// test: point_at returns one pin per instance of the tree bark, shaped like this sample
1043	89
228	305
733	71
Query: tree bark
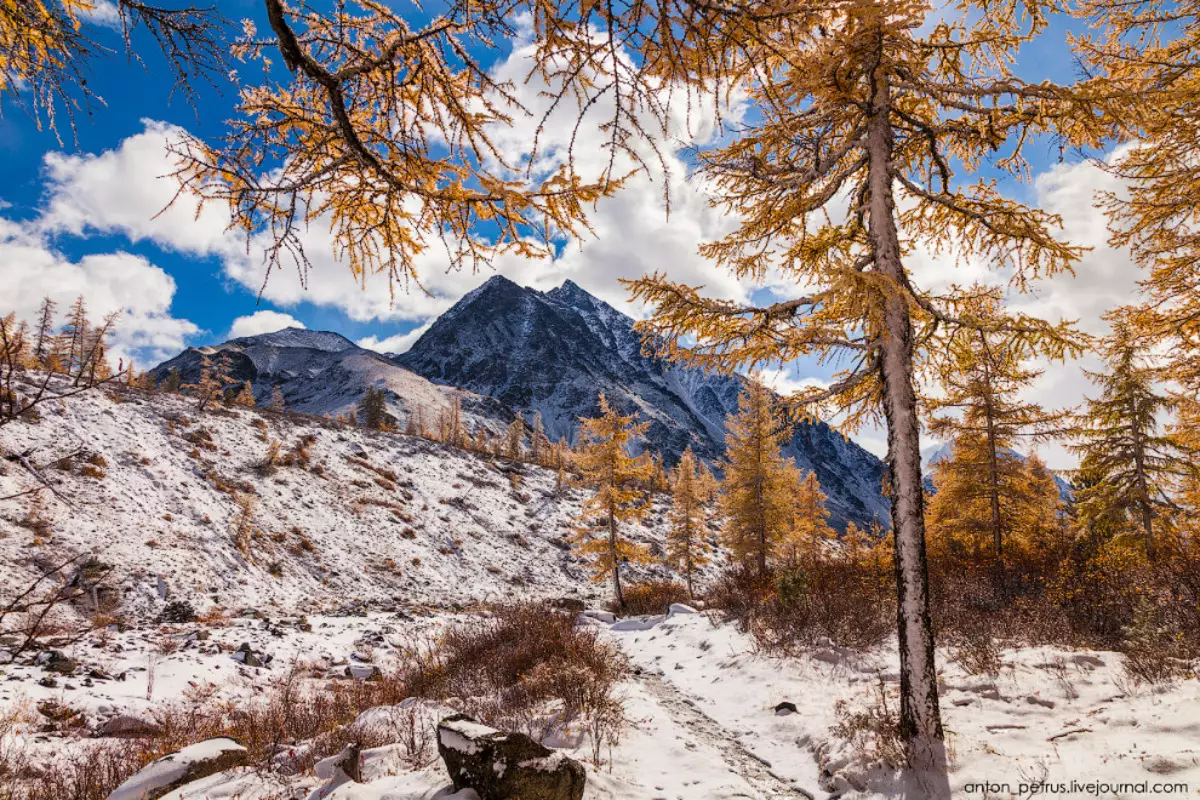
612	553
920	717
1139	462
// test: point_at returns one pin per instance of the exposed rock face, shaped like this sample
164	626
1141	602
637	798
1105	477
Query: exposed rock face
553	352
506	766
179	769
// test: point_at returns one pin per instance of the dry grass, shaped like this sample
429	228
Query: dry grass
652	597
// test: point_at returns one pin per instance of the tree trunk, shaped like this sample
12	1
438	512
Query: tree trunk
612	553
1143	500
920	717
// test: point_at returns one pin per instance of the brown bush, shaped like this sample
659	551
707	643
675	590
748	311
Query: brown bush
846	602
513	667
653	597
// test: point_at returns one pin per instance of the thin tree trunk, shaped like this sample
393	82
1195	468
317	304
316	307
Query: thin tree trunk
612	552
920	717
1139	462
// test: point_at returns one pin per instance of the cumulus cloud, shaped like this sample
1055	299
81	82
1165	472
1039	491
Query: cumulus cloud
108	282
264	321
400	343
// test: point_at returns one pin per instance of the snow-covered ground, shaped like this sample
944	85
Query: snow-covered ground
421	550
374	518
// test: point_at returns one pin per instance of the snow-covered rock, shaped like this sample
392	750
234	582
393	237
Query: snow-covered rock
177	769
502	766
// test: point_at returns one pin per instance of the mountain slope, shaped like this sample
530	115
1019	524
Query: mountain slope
554	352
320	372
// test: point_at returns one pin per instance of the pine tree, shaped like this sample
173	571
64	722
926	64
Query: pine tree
173	382
539	444
605	463
759	490
512	442
44	337
983	380
811	536
245	396
372	408
1130	465
687	547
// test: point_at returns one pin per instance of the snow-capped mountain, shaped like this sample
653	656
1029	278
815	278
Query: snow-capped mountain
320	372
554	352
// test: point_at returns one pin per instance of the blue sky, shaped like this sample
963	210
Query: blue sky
80	214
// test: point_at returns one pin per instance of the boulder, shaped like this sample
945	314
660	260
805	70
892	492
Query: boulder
505	766
785	708
178	769
125	725
680	608
58	662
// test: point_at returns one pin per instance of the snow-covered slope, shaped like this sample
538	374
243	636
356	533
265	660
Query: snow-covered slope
373	517
320	372
555	351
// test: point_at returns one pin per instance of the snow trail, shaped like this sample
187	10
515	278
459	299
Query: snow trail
754	769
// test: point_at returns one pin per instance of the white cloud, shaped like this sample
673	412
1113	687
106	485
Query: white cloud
400	343
264	321
108	282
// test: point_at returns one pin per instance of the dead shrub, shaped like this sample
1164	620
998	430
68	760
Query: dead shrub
652	597
515	667
874	729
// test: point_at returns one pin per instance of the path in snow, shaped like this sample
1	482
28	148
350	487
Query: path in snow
741	761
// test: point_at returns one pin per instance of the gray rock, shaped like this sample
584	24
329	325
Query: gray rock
179	769
506	766
126	725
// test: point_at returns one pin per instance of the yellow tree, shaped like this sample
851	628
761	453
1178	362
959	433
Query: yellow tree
865	114
245	396
687	547
811	535
981	411
604	462
759	490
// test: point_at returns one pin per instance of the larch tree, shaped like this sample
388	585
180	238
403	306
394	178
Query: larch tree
687	545
244	396
277	402
44	336
981	411
870	119
604	462
47	50
759	490
513	439
811	535
1131	466
210	384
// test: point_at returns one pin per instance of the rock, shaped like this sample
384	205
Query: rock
248	656
505	766
178	611
49	682
680	608
177	769
362	672
606	617
127	725
346	764
57	662
785	708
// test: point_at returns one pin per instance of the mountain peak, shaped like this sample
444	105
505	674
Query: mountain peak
327	341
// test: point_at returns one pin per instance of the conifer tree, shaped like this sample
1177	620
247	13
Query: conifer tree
687	548
372	408
759	490
214	377
539	444
76	332
1130	465
811	535
512	441
173	382
277	402
983	414
245	396
605	463
44	337
883	105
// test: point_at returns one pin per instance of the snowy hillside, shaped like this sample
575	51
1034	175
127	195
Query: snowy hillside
182	507
553	352
320	372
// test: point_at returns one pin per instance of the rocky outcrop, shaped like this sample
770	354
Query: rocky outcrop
179	769
505	766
